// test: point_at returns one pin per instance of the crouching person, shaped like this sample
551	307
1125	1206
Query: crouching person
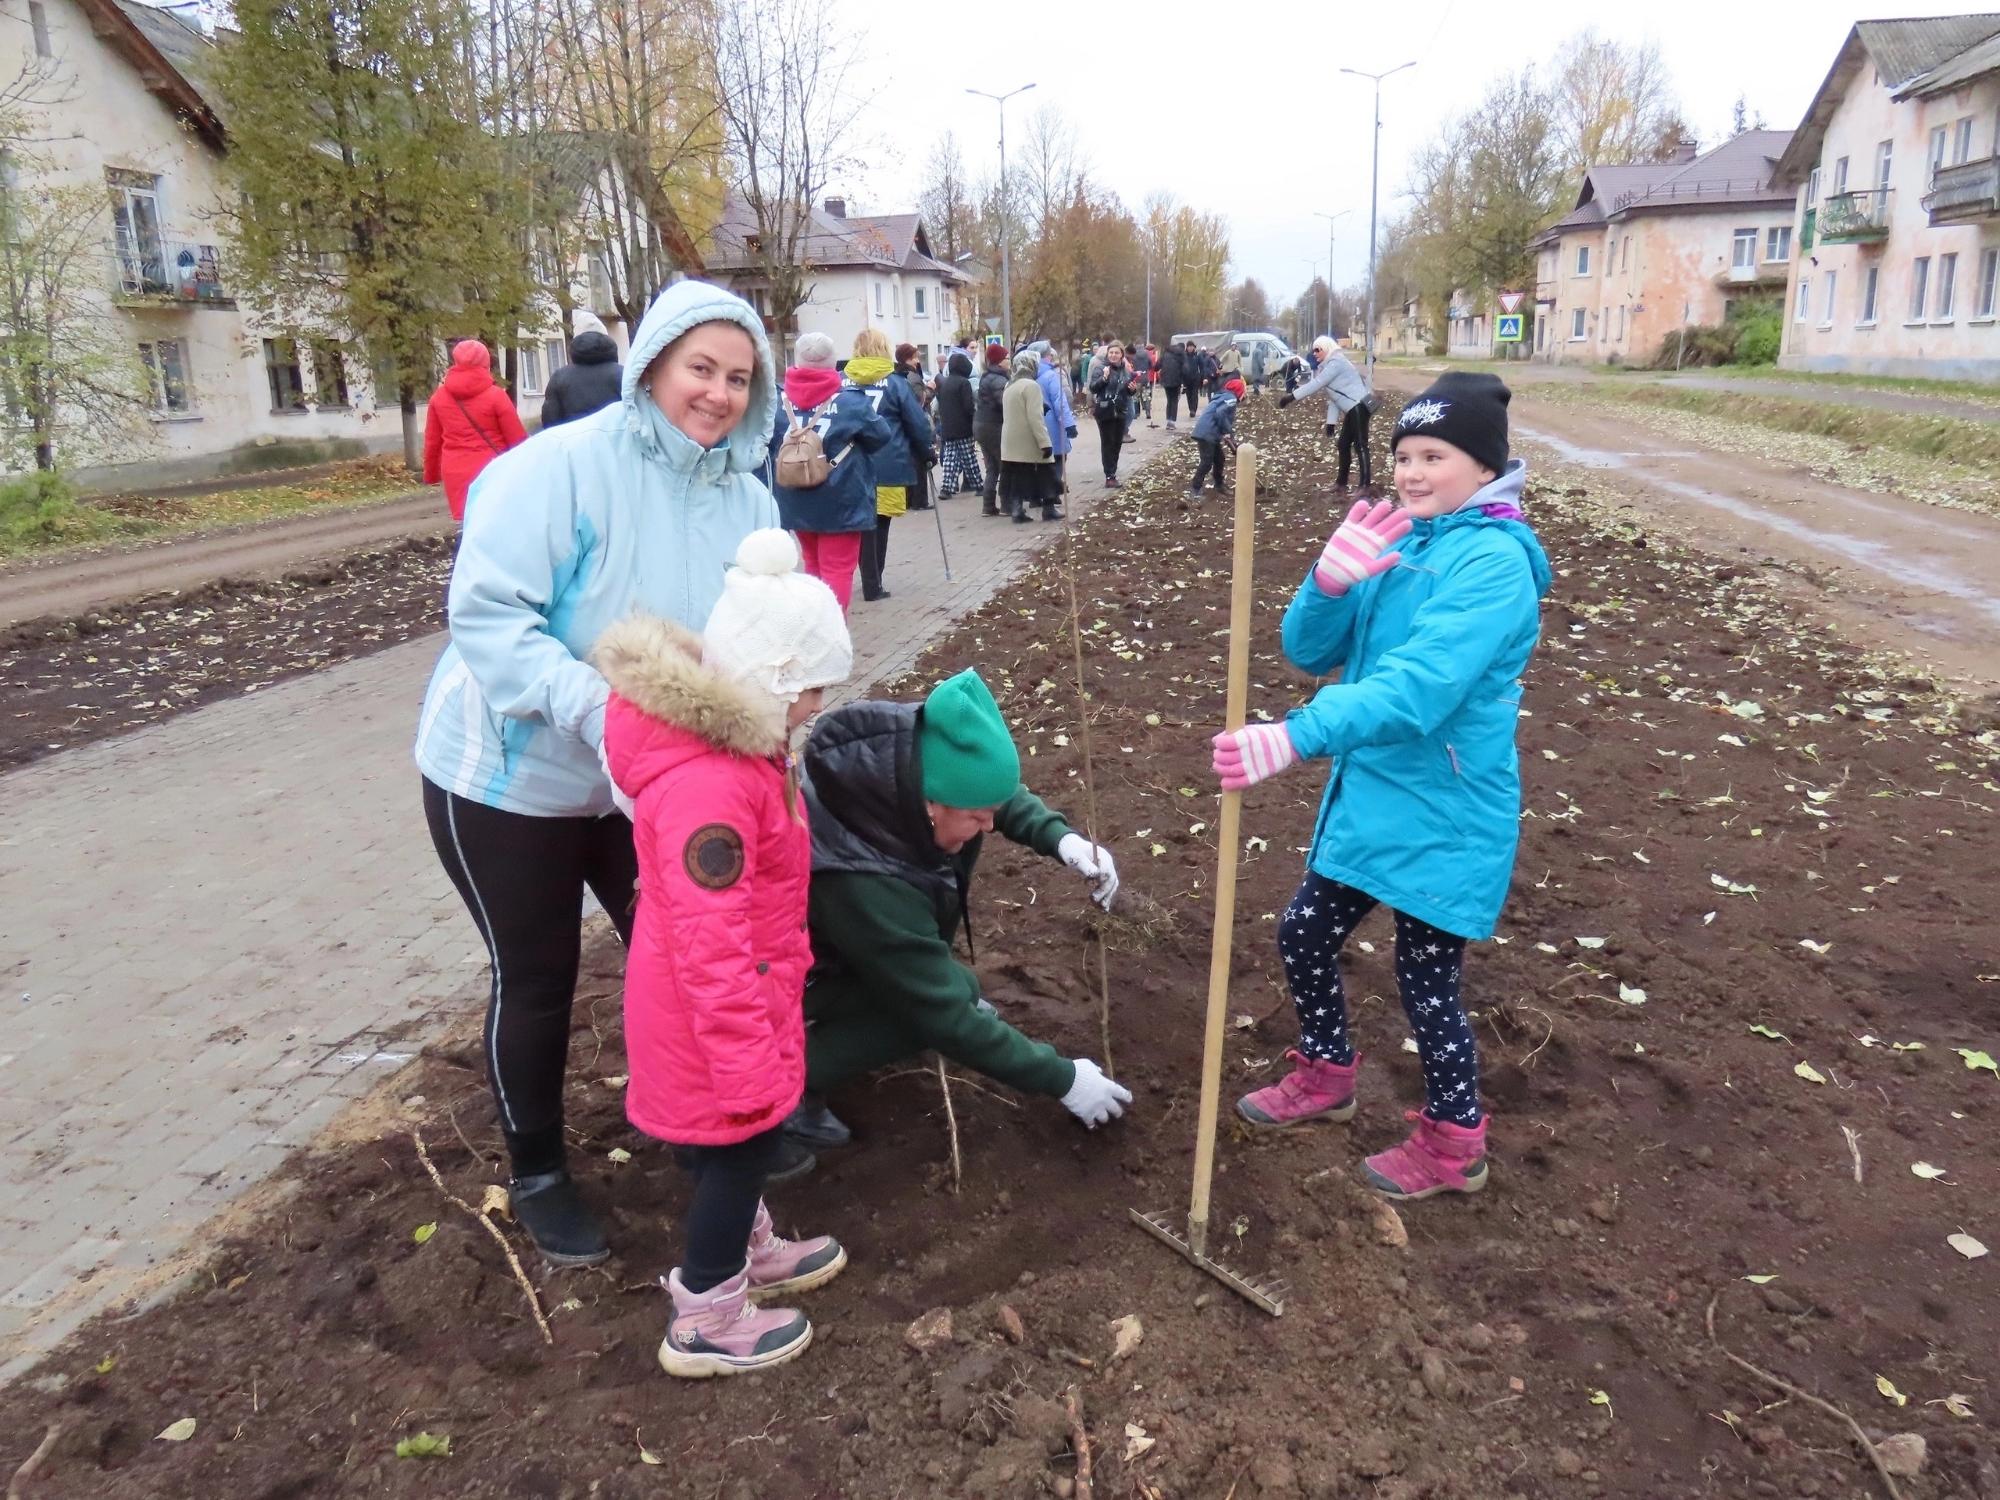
696	738
901	796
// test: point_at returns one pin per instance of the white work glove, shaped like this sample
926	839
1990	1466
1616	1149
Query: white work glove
618	797
1093	863
1093	1098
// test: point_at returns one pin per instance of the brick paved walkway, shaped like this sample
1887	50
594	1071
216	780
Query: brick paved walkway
222	930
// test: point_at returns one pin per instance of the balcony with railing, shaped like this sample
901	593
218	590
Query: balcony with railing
1854	218
1965	194
168	273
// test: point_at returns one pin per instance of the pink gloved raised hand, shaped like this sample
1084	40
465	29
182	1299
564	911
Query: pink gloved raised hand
1244	757
1357	550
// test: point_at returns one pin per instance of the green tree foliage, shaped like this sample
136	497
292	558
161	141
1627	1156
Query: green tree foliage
372	201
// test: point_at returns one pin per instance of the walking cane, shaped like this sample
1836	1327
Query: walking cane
1268	1294
937	509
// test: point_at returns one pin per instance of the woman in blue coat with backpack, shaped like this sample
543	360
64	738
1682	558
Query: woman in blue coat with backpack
834	519
868	372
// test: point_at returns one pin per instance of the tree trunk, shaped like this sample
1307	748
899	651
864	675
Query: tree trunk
413	439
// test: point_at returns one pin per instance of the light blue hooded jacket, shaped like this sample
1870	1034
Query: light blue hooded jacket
567	534
1056	407
1423	808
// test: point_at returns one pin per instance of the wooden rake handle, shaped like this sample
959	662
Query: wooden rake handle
1227	846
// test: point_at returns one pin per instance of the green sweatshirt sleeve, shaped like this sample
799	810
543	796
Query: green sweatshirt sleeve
887	939
1027	819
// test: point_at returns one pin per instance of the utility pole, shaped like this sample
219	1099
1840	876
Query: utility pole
1328	330
1149	295
1006	215
1375	198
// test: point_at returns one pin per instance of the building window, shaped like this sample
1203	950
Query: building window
281	370
1989	271
878	299
166	368
558	356
1583	260
531	370
1885	152
1920	287
1743	250
917	300
1947	288
135	227
382	376
1625	255
1961	142
1621	325
1576	325
1871	281
329	373
1940	137
1778	243
1826	308
1804	304
1812	187
38	18
1840	177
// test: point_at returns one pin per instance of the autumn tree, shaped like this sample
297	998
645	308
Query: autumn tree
946	201
1610	102
781	73
372	202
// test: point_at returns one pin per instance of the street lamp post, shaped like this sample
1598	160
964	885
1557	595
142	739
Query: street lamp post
1374	198
1006	203
1329	261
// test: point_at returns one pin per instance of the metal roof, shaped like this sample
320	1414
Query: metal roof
1903	49
1955	72
1739	171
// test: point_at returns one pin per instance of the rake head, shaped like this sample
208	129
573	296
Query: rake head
1268	1294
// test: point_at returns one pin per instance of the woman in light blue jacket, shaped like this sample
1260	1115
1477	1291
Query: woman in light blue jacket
637	507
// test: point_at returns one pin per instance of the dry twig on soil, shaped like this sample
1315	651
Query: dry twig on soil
1080	1440
1089	782
1888	1481
951	1121
513	1260
33	1461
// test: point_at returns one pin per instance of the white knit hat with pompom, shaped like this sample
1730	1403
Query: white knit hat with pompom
775	628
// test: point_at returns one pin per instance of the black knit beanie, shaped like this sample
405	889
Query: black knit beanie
1465	409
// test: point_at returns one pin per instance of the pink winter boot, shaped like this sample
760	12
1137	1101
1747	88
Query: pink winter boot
782	1265
1314	1090
722	1332
1437	1158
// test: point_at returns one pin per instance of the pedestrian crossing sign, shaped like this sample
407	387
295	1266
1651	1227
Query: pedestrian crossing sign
1507	328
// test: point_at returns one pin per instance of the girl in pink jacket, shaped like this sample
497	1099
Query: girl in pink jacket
697	736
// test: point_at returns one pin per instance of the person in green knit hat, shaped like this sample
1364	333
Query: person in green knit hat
900	796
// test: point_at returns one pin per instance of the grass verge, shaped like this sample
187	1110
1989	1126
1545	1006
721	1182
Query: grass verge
40	514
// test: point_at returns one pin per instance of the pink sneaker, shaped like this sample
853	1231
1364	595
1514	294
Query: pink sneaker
1437	1158
722	1332
1314	1090
782	1265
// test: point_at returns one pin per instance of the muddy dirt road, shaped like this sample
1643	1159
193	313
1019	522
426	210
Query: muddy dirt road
71	584
1900	575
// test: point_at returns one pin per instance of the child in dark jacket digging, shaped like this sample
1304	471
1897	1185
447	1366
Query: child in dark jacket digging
1212	429
1422	810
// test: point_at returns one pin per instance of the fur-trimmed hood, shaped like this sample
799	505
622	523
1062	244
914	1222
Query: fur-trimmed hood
678	706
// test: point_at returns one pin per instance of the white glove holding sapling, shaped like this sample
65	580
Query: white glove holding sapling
1093	1098
1093	863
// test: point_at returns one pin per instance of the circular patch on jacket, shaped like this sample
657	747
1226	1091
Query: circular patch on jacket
714	856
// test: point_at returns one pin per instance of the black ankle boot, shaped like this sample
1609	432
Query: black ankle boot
815	1126
551	1209
792	1161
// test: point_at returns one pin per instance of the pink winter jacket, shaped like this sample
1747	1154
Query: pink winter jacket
714	1032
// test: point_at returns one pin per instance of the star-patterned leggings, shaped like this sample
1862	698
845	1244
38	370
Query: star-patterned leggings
1310	936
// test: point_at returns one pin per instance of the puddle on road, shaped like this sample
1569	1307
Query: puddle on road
1929	572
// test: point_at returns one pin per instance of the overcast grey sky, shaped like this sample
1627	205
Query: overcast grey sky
1238	107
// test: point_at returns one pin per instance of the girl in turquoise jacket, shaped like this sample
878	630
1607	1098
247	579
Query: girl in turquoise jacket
637	507
1422	808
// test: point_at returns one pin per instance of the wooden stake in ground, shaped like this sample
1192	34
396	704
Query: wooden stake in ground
1089	787
1229	852
951	1121
513	1260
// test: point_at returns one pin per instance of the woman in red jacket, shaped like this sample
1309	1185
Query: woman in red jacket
697	737
470	423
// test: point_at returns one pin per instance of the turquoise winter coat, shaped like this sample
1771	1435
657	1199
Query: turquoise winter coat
1423	808
566	535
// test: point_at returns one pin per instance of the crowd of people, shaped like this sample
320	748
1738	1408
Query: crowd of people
645	612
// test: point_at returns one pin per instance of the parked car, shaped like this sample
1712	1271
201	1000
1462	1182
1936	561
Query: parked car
1276	350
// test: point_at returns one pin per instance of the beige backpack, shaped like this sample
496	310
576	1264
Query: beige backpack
802	460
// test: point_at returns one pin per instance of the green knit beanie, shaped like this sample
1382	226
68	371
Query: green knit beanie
969	759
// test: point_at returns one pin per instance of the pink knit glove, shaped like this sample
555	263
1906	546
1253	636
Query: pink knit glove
1355	552
1244	757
